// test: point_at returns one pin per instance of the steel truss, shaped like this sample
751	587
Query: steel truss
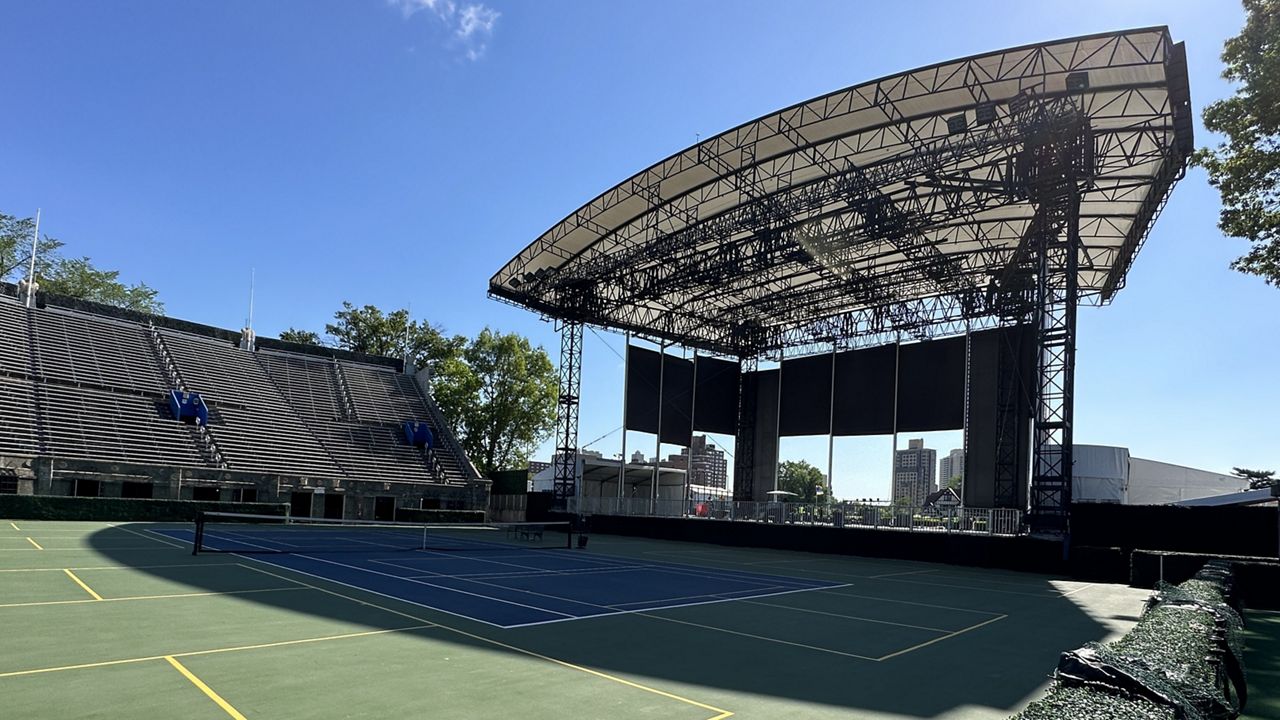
565	473
794	233
990	191
1056	168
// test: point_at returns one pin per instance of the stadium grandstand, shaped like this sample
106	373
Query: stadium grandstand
106	402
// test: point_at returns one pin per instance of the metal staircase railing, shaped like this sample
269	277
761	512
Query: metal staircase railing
344	392
204	439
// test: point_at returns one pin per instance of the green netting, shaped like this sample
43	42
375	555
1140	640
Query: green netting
1078	703
1182	658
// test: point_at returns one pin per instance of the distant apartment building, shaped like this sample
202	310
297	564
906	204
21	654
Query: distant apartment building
913	473
705	463
951	466
638	458
537	466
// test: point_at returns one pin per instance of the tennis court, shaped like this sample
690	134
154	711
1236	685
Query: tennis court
106	620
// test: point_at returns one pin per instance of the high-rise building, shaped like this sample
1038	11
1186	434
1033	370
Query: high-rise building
951	466
913	473
638	458
705	463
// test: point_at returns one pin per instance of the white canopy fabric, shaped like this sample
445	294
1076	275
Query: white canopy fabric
881	195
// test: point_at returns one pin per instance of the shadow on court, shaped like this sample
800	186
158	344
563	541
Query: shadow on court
856	634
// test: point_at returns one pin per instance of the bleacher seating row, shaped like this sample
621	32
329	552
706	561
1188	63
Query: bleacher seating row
75	384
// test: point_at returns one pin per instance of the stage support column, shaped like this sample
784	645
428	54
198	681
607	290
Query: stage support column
657	443
777	430
565	474
744	444
1056	297
622	466
893	460
964	436
688	451
831	426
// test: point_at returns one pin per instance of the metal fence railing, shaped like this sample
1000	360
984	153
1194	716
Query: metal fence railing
880	516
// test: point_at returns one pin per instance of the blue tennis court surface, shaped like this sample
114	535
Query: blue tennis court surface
511	587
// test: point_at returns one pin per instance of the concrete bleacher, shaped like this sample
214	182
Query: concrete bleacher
82	384
83	350
18	433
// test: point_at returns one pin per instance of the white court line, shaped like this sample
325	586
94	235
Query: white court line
157	537
948	636
704	573
1082	587
565	617
642	611
846	617
907	602
895	574
417	582
761	637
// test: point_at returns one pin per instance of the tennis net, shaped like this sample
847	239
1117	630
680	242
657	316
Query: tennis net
245	533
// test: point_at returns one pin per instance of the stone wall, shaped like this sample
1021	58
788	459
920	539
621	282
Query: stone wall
66	476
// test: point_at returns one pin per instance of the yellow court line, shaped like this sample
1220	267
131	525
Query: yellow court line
226	706
948	636
214	651
721	713
761	637
72	549
116	567
42	603
15	526
33	542
81	583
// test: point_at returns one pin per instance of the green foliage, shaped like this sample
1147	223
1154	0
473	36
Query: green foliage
1257	478
496	388
1246	167
954	482
73	277
803	479
371	331
78	278
501	393
302	337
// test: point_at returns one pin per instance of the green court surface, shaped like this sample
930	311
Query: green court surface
114	621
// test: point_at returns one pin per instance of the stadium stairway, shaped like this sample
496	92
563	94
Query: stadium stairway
90	382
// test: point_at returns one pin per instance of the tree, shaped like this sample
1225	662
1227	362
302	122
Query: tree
501	393
1246	167
1257	478
803	479
301	337
78	278
497	390
73	277
371	331
954	482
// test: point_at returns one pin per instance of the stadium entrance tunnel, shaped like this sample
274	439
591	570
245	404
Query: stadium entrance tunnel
755	632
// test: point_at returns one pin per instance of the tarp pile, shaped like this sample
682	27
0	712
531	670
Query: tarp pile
1182	661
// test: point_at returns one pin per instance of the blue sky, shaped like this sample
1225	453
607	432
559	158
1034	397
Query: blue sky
400	152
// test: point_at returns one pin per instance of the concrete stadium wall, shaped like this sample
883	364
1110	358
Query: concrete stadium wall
59	476
1011	553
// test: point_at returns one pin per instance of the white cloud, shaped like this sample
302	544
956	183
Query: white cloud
470	25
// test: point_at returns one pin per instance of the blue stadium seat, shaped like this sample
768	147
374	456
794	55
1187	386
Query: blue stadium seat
418	433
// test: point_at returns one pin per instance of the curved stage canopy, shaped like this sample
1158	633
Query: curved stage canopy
906	204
